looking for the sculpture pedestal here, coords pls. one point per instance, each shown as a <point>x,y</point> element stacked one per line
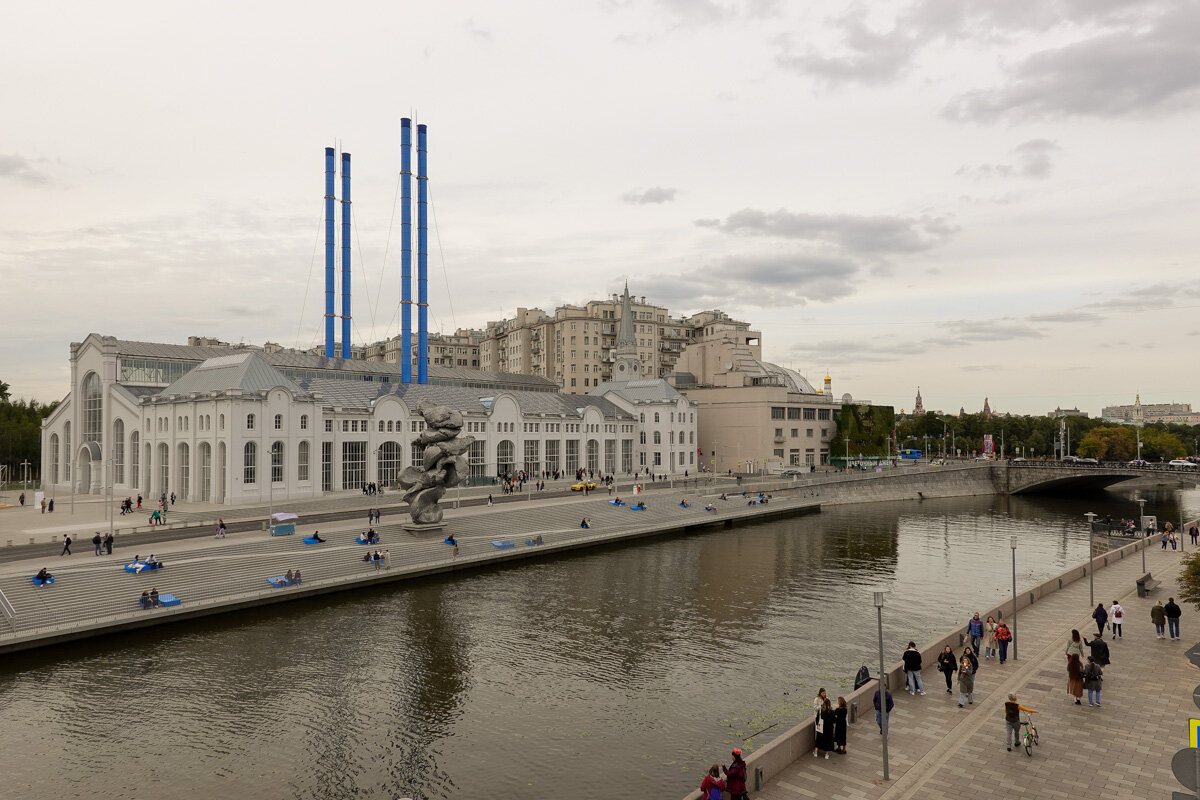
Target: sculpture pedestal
<point>418,528</point>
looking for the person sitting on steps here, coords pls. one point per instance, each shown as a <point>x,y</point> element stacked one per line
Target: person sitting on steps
<point>317,536</point>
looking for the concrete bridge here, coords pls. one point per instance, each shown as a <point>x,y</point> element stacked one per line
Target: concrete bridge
<point>1029,477</point>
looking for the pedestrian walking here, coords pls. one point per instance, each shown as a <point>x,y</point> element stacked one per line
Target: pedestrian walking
<point>840,715</point>
<point>824,731</point>
<point>66,551</point>
<point>1075,645</point>
<point>1174,541</point>
<point>735,777</point>
<point>966,682</point>
<point>108,544</point>
<point>1173,612</point>
<point>1165,538</point>
<point>975,631</point>
<point>1012,721</point>
<point>1099,649</point>
<point>1194,533</point>
<point>712,786</point>
<point>1117,616</point>
<point>489,501</point>
<point>1093,677</point>
<point>1158,615</point>
<point>1101,617</point>
<point>969,654</point>
<point>989,638</point>
<point>98,543</point>
<point>947,665</point>
<point>881,717</point>
<point>43,505</point>
<point>912,669</point>
<point>1004,636</point>
<point>1075,677</point>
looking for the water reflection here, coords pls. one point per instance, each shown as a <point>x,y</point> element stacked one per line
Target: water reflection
<point>542,680</point>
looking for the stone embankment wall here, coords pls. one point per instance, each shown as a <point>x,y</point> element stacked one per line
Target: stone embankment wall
<point>800,740</point>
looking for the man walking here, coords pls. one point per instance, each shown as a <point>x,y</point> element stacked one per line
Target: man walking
<point>912,669</point>
<point>1099,649</point>
<point>1012,721</point>
<point>1101,617</point>
<point>881,717</point>
<point>975,631</point>
<point>1173,614</point>
<point>97,542</point>
<point>66,551</point>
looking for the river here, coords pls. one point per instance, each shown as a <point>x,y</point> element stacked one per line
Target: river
<point>618,671</point>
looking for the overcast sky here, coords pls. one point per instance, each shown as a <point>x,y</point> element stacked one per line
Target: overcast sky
<point>980,197</point>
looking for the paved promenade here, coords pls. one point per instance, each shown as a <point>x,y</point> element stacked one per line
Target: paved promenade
<point>1121,750</point>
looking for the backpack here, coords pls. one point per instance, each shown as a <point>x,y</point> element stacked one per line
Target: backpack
<point>714,793</point>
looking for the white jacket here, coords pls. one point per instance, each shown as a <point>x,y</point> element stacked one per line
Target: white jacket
<point>1116,614</point>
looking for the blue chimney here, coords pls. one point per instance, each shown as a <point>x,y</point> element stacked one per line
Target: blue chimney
<point>345,255</point>
<point>406,250</point>
<point>422,258</point>
<point>329,254</point>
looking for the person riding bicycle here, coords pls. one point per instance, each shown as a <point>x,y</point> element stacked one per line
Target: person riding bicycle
<point>1012,721</point>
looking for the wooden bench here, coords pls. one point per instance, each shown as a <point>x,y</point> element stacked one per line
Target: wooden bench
<point>1146,584</point>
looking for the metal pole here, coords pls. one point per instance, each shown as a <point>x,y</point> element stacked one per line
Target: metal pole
<point>25,482</point>
<point>1013,543</point>
<point>1142,513</point>
<point>882,686</point>
<point>111,522</point>
<point>1091,561</point>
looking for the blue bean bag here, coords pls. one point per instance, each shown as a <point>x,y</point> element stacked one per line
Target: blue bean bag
<point>635,508</point>
<point>142,566</point>
<point>502,545</point>
<point>278,581</point>
<point>360,540</point>
<point>37,582</point>
<point>168,600</point>
<point>311,540</point>
<point>616,502</point>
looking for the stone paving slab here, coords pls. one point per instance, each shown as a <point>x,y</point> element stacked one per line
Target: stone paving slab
<point>1122,749</point>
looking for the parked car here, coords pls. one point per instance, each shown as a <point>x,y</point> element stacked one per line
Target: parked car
<point>1181,462</point>
<point>1017,460</point>
<point>1071,459</point>
<point>579,487</point>
<point>1088,460</point>
<point>791,473</point>
<point>1137,462</point>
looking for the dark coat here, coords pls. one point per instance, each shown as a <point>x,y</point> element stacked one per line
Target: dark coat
<point>735,777</point>
<point>947,662</point>
<point>1093,676</point>
<point>1099,651</point>
<point>825,737</point>
<point>839,726</point>
<point>912,660</point>
<point>1173,610</point>
<point>1100,615</point>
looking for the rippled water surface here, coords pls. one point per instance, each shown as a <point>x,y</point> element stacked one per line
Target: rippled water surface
<point>614,672</point>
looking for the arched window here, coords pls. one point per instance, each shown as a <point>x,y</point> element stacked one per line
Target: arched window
<point>643,417</point>
<point>277,462</point>
<point>390,463</point>
<point>656,419</point>
<point>249,462</point>
<point>221,421</point>
<point>657,437</point>
<point>302,462</point>
<point>54,458</point>
<point>389,426</point>
<point>134,439</point>
<point>66,462</point>
<point>381,426</point>
<point>279,422</point>
<point>304,422</point>
<point>249,422</point>
<point>93,410</point>
<point>118,451</point>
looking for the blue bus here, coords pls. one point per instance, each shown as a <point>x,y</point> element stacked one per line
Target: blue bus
<point>910,453</point>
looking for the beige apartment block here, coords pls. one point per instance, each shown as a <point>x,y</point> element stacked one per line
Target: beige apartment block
<point>459,349</point>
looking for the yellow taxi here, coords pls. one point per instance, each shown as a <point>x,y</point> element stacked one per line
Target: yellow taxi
<point>579,487</point>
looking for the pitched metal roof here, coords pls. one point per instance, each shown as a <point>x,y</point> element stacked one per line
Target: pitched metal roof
<point>645,390</point>
<point>248,372</point>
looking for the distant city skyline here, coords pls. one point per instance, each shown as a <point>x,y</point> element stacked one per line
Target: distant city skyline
<point>992,199</point>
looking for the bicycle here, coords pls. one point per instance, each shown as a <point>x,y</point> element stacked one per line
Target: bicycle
<point>1029,734</point>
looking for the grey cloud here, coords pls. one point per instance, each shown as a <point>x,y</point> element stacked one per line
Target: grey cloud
<point>873,57</point>
<point>1150,69</point>
<point>874,350</point>
<point>695,13</point>
<point>1032,159</point>
<point>655,194</point>
<point>987,330</point>
<point>775,279</point>
<point>19,168</point>
<point>1153,296</point>
<point>476,32</point>
<point>859,234</point>
<point>1065,316</point>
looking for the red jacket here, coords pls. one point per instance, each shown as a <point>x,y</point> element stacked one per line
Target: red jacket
<point>709,782</point>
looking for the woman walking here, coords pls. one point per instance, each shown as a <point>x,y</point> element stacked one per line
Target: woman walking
<point>989,638</point>
<point>1093,677</point>
<point>966,681</point>
<point>1074,653</point>
<point>1101,617</point>
<point>1158,615</point>
<point>947,664</point>
<point>1003,637</point>
<point>839,726</point>
<point>969,654</point>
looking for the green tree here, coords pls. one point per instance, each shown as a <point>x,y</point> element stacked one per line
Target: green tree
<point>1160,444</point>
<point>4,395</point>
<point>1189,579</point>
<point>1109,443</point>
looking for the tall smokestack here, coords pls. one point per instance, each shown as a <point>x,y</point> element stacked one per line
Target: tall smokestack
<point>330,164</point>
<point>422,258</point>
<point>345,255</point>
<point>406,250</point>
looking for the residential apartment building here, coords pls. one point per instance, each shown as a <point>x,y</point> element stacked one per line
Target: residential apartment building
<point>459,349</point>
<point>1140,413</point>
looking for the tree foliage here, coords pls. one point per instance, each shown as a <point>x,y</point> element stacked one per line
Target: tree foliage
<point>1189,579</point>
<point>1109,443</point>
<point>21,435</point>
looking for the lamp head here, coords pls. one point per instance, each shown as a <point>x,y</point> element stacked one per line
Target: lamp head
<point>1012,542</point>
<point>879,599</point>
<point>1091,515</point>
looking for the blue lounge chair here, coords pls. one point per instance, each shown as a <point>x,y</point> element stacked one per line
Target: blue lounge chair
<point>502,545</point>
<point>38,582</point>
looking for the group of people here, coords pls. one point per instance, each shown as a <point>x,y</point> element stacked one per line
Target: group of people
<point>149,599</point>
<point>372,488</point>
<point>127,505</point>
<point>830,725</point>
<point>370,536</point>
<point>380,558</point>
<point>103,544</point>
<point>734,781</point>
<point>373,516</point>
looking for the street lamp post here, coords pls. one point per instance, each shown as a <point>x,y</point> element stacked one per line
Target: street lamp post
<point>1142,514</point>
<point>1012,542</point>
<point>25,482</point>
<point>1091,559</point>
<point>883,712</point>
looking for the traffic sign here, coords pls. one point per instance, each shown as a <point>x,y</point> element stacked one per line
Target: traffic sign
<point>1183,765</point>
<point>1194,733</point>
<point>1193,654</point>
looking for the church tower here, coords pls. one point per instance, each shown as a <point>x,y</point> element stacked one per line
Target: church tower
<point>919,406</point>
<point>627,366</point>
<point>987,408</point>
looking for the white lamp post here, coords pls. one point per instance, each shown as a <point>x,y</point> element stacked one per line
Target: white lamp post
<point>883,712</point>
<point>1012,542</point>
<point>1091,558</point>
